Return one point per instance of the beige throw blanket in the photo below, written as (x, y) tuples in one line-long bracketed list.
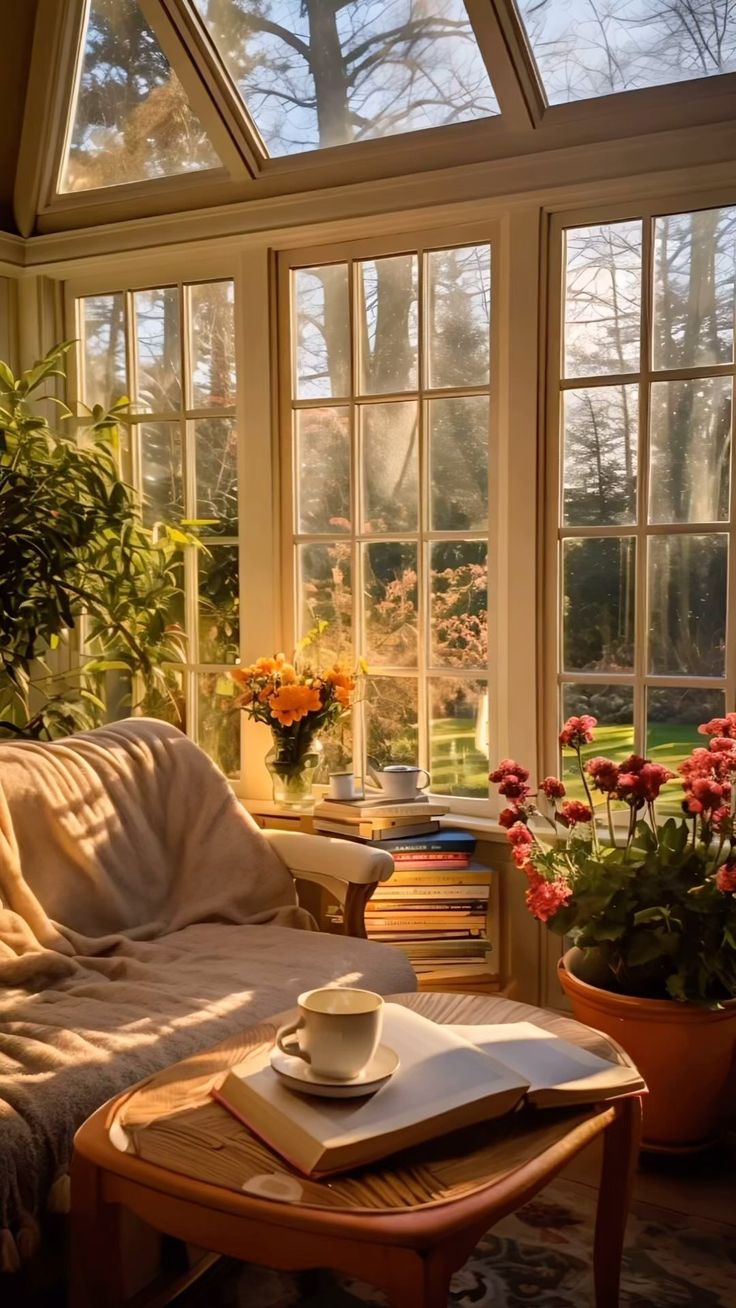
[(142, 918)]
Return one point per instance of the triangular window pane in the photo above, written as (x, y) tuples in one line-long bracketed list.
[(132, 120), (320, 73), (587, 48)]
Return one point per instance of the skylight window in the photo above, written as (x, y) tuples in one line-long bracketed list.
[(131, 119), (587, 48), (325, 74)]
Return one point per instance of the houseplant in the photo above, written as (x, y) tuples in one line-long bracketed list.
[(652, 916), (297, 702), (74, 555)]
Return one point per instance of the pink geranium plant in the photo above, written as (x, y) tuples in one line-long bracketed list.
[(654, 909)]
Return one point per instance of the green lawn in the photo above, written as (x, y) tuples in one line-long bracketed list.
[(458, 768)]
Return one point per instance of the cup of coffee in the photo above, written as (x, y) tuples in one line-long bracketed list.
[(337, 1031), (402, 781)]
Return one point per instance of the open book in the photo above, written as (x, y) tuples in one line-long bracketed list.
[(449, 1077)]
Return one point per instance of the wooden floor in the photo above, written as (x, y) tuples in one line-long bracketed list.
[(702, 1186)]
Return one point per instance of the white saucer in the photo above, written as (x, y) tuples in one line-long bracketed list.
[(298, 1075)]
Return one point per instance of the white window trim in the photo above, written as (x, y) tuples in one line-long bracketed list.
[(550, 500)]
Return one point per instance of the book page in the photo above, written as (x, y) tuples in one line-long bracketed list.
[(439, 1070), (546, 1061)]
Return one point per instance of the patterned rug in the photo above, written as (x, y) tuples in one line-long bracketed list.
[(541, 1255)]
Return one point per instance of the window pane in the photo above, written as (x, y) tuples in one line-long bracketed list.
[(132, 119), (690, 450), (390, 456), (161, 471), (158, 345), (216, 460), (219, 605), (603, 299), (601, 433), (103, 348), (458, 736), (323, 470), (212, 345), (325, 595), (598, 604), (388, 325), (694, 267), (322, 74), (687, 605), (219, 721), (459, 311), (167, 702), (459, 616), (390, 603), (584, 49), (613, 707), (322, 319), (458, 463), (673, 718), (392, 714)]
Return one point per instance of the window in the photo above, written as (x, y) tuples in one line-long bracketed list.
[(587, 48), (131, 120), (646, 525), (328, 74), (388, 429), (172, 349)]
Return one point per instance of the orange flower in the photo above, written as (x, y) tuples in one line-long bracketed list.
[(288, 674), (292, 703), (267, 690), (242, 675), (265, 666), (343, 682)]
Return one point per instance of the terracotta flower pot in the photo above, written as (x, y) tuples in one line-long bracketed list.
[(684, 1052)]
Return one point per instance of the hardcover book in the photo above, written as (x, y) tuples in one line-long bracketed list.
[(445, 1081)]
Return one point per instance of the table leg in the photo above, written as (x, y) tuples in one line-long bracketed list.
[(417, 1280), (95, 1258), (620, 1153)]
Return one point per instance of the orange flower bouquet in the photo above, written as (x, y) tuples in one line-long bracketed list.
[(297, 703)]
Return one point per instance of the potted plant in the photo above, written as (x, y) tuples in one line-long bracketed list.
[(74, 552), (651, 914)]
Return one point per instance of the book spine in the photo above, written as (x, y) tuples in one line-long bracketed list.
[(441, 877), (428, 891)]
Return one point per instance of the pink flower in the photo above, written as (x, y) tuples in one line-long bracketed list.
[(719, 726), (705, 795), (574, 812), (544, 898), (553, 788), (604, 774), (721, 820), (520, 856), (507, 817), (641, 783), (578, 731), (519, 834), (726, 879), (511, 779)]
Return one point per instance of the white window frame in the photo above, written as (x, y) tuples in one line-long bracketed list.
[(420, 242), (555, 532)]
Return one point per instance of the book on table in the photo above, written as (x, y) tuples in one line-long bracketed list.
[(448, 1078), (368, 832)]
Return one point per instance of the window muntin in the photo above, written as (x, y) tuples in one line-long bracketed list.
[(131, 120), (390, 507), (584, 48), (172, 349), (646, 520), (320, 75)]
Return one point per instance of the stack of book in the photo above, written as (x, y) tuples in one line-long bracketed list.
[(435, 907), (377, 819)]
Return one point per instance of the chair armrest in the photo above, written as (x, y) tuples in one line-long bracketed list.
[(349, 871)]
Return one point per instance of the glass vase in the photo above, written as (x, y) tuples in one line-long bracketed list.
[(293, 762)]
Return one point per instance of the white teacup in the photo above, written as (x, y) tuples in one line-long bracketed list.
[(337, 1031), (343, 785), (402, 781)]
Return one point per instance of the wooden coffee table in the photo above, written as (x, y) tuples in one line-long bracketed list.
[(405, 1225)]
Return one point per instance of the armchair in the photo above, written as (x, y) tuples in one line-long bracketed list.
[(349, 871)]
